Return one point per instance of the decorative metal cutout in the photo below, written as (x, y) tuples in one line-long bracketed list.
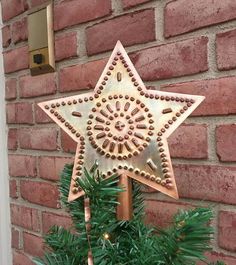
[(123, 125)]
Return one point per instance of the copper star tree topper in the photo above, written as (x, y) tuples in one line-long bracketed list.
[(125, 127)]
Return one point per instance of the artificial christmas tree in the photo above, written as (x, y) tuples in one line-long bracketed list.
[(114, 242)]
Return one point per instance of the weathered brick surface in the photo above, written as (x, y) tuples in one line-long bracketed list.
[(82, 76), (189, 141), (6, 36), (38, 138), (19, 113), (214, 256), (171, 60), (214, 183), (79, 11), (226, 50), (85, 31), (226, 142), (66, 46), (40, 115), (15, 236), (15, 60), (227, 230), (21, 259), (13, 189), (51, 167), (134, 28), (33, 244), (12, 141), (41, 193), (12, 8), (19, 31), (218, 101), (34, 86), (51, 219), (25, 217), (160, 213), (22, 166), (10, 88), (132, 3), (186, 15), (67, 144)]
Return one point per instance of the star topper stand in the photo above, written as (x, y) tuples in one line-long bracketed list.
[(125, 127), (125, 207)]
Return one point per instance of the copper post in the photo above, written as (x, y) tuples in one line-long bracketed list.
[(87, 217), (125, 208)]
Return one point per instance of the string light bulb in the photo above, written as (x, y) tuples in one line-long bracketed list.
[(106, 236)]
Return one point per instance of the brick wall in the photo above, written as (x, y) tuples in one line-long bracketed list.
[(183, 46)]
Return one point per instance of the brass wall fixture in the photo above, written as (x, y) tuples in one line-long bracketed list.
[(41, 40)]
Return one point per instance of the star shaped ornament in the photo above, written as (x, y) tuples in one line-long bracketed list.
[(123, 125)]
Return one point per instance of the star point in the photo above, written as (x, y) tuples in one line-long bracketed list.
[(123, 125)]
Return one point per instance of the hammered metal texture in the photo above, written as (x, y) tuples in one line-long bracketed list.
[(123, 125)]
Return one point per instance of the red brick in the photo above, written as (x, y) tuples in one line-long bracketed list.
[(15, 60), (50, 167), (226, 50), (172, 60), (25, 217), (132, 3), (189, 141), (51, 219), (218, 101), (160, 213), (15, 236), (133, 28), (34, 86), (83, 76), (10, 89), (38, 138), (214, 256), (13, 189), (12, 141), (41, 193), (21, 259), (19, 113), (6, 36), (66, 46), (226, 142), (67, 143), (12, 8), (19, 31), (213, 183), (41, 116), (80, 11), (22, 166), (186, 15), (227, 230), (33, 244)]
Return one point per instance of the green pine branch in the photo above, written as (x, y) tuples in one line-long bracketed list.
[(123, 242), (187, 240)]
